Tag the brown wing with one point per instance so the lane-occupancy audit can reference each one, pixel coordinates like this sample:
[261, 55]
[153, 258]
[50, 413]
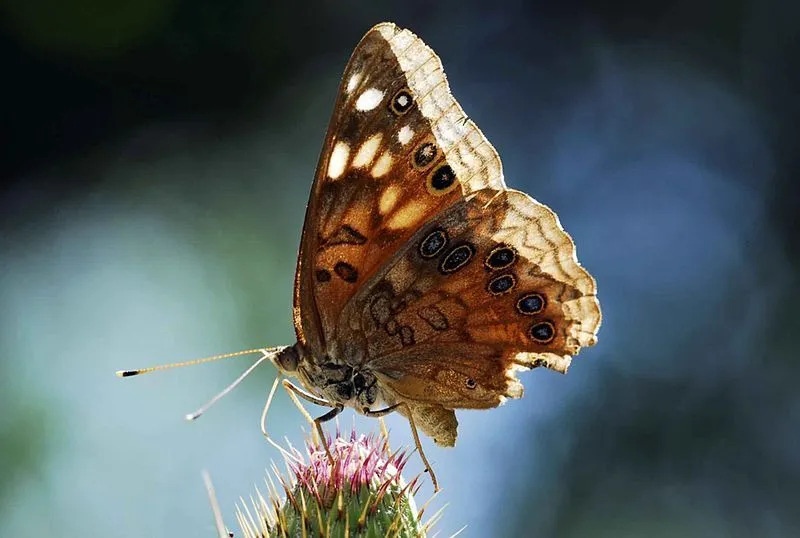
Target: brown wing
[399, 150]
[490, 286]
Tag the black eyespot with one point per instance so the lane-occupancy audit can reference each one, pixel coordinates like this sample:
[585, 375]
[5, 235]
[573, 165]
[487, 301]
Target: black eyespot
[442, 178]
[425, 154]
[543, 332]
[402, 102]
[471, 383]
[457, 258]
[323, 275]
[346, 272]
[433, 244]
[500, 257]
[501, 284]
[530, 304]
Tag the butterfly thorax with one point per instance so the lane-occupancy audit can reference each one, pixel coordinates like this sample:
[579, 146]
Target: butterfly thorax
[332, 380]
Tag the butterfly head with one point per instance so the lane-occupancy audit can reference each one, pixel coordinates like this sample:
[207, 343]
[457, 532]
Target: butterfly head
[287, 359]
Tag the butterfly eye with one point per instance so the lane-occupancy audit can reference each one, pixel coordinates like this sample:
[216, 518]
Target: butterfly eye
[471, 384]
[530, 304]
[543, 332]
[402, 102]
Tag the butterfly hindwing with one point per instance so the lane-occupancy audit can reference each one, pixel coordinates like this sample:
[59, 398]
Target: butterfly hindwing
[490, 286]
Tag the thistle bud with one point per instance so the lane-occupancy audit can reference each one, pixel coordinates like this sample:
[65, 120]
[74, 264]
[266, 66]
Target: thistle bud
[357, 491]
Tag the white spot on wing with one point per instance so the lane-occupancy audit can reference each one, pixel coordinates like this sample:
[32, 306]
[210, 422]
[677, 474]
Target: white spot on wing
[367, 151]
[338, 160]
[383, 165]
[353, 82]
[369, 99]
[388, 199]
[407, 215]
[405, 135]
[402, 101]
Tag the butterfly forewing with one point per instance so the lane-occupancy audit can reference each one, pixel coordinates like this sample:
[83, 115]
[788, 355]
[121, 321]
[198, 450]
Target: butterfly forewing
[398, 151]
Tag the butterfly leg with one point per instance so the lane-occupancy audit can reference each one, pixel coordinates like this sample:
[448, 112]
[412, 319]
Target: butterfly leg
[264, 420]
[385, 411]
[336, 409]
[325, 418]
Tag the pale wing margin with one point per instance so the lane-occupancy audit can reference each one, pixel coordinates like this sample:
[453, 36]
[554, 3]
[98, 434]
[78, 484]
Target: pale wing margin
[536, 232]
[469, 153]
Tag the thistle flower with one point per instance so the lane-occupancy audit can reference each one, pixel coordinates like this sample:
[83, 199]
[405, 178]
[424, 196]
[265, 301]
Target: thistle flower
[360, 493]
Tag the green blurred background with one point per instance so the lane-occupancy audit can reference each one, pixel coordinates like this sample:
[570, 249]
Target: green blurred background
[156, 160]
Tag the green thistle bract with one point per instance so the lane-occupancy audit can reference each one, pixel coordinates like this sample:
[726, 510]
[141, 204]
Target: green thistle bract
[360, 494]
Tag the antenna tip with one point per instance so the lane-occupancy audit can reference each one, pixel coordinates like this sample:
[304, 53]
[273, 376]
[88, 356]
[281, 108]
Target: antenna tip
[126, 373]
[192, 416]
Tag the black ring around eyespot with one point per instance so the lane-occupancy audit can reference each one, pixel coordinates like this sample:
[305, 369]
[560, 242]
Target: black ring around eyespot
[501, 284]
[441, 179]
[531, 303]
[402, 102]
[542, 332]
[500, 257]
[433, 244]
[457, 258]
[424, 155]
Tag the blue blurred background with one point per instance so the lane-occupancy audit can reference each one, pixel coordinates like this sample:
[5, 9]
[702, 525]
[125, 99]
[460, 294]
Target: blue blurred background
[156, 160]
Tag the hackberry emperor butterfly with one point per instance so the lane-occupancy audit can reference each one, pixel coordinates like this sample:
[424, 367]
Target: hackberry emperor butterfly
[423, 284]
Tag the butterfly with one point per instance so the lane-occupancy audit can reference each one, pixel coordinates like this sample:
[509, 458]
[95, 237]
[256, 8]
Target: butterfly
[423, 283]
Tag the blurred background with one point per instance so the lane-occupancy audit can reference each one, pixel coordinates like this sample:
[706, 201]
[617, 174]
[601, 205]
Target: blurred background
[156, 160]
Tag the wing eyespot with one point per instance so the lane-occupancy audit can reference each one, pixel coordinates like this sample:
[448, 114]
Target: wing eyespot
[424, 154]
[543, 332]
[433, 244]
[457, 258]
[531, 304]
[441, 180]
[500, 257]
[402, 102]
[502, 284]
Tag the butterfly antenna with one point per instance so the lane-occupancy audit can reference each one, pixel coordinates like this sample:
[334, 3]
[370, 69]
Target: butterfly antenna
[129, 373]
[268, 354]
